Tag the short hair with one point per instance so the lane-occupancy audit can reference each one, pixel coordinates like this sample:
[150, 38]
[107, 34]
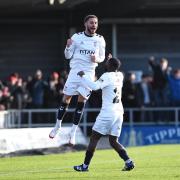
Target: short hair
[90, 16]
[114, 63]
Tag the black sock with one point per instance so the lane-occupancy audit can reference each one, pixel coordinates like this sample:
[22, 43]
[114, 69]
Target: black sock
[88, 157]
[62, 111]
[78, 113]
[123, 154]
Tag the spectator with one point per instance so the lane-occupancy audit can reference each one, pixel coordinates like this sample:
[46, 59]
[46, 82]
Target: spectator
[37, 88]
[6, 97]
[174, 85]
[16, 91]
[129, 98]
[2, 106]
[160, 88]
[64, 74]
[55, 91]
[145, 97]
[1, 85]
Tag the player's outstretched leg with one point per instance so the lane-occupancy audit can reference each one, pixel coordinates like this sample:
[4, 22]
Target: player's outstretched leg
[129, 164]
[76, 119]
[61, 112]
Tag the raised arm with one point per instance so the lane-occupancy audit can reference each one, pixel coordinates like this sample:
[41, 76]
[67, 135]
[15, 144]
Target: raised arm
[70, 47]
[152, 62]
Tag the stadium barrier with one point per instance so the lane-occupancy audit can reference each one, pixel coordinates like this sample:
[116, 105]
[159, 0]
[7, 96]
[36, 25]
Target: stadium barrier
[142, 126]
[26, 139]
[133, 116]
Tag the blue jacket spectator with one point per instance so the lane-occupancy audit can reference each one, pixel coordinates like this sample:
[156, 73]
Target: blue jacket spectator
[174, 85]
[37, 89]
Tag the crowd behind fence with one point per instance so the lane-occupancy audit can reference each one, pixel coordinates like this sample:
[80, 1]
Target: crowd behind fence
[155, 97]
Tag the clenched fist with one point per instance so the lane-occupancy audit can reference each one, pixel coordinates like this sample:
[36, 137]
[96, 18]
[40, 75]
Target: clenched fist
[69, 43]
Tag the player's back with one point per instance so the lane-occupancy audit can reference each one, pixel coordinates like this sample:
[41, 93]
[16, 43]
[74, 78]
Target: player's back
[111, 91]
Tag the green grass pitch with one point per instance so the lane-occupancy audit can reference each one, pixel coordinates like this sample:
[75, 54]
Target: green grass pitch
[161, 162]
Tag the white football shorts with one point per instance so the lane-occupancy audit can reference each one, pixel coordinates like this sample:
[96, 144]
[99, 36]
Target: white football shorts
[73, 86]
[108, 123]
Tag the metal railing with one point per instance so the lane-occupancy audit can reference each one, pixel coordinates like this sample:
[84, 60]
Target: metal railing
[25, 118]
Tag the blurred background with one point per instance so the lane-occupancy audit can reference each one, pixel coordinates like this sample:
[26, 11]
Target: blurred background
[33, 32]
[143, 34]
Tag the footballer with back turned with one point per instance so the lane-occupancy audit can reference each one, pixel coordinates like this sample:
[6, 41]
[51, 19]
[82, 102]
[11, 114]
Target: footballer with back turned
[110, 119]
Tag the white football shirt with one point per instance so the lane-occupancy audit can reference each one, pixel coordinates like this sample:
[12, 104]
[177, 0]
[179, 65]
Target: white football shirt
[111, 84]
[82, 48]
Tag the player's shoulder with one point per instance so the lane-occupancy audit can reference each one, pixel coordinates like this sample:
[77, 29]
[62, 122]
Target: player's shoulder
[99, 36]
[120, 75]
[77, 35]
[104, 76]
[80, 33]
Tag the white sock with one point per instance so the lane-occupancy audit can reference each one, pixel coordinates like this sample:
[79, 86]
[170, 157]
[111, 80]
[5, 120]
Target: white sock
[85, 166]
[128, 161]
[58, 123]
[73, 129]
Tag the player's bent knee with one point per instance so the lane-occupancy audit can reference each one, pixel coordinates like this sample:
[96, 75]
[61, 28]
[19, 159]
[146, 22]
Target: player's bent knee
[81, 99]
[66, 99]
